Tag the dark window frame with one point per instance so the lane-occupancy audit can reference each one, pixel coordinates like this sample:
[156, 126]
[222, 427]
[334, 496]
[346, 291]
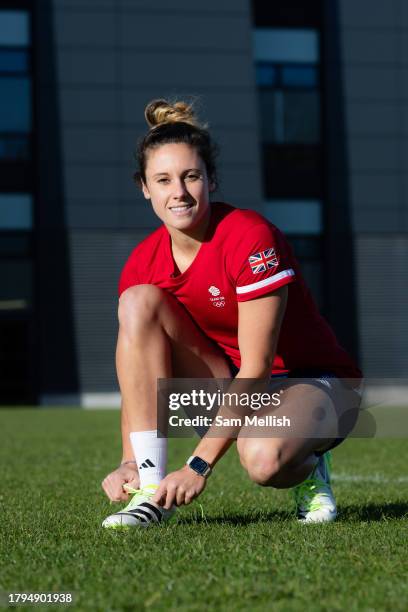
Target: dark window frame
[289, 14]
[279, 67]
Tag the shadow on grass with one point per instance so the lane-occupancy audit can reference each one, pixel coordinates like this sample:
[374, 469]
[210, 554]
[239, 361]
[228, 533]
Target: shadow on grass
[349, 514]
[236, 519]
[373, 512]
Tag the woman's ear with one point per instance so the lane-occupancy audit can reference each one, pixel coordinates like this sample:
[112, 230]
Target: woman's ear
[145, 190]
[212, 186]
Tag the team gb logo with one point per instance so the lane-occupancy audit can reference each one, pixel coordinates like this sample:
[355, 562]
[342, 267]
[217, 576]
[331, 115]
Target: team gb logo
[218, 301]
[214, 290]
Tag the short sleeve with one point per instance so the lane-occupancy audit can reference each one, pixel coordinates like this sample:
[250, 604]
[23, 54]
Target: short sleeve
[261, 262]
[129, 275]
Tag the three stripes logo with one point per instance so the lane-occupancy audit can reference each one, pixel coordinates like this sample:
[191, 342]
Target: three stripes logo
[147, 463]
[144, 513]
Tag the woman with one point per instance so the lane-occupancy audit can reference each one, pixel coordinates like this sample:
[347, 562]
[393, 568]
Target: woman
[216, 292]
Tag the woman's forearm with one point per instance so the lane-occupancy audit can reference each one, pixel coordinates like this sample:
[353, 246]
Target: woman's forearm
[212, 449]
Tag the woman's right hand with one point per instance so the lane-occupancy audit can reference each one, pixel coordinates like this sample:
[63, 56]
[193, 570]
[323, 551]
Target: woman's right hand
[113, 483]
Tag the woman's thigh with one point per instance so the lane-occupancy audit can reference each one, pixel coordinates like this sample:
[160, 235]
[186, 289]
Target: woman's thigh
[154, 312]
[313, 419]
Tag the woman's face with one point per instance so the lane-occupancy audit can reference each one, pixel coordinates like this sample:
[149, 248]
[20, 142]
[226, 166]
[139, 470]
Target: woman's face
[177, 185]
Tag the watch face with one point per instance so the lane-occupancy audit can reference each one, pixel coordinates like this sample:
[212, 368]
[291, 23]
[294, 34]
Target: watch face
[199, 465]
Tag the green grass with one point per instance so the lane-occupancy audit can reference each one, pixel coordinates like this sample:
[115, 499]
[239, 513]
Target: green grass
[236, 548]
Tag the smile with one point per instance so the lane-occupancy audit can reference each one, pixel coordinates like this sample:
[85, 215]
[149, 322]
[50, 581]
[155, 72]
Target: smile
[181, 209]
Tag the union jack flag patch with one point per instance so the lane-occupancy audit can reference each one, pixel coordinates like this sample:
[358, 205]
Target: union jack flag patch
[260, 262]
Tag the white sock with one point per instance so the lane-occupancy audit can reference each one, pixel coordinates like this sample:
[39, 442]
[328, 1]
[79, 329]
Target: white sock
[151, 456]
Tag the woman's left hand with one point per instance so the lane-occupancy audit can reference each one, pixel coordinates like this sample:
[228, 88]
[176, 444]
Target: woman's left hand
[179, 488]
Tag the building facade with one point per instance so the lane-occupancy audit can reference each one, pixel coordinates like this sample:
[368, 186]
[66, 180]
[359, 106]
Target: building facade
[307, 104]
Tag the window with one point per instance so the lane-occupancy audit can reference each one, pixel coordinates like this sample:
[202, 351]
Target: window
[287, 68]
[286, 45]
[289, 116]
[13, 61]
[15, 105]
[15, 87]
[18, 288]
[288, 83]
[14, 28]
[296, 217]
[15, 211]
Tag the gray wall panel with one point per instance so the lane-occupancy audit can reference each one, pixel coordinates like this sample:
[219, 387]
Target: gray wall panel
[364, 46]
[185, 6]
[239, 145]
[87, 105]
[375, 220]
[373, 117]
[94, 182]
[375, 80]
[214, 70]
[380, 154]
[403, 91]
[96, 5]
[128, 190]
[372, 82]
[91, 145]
[97, 259]
[403, 10]
[194, 31]
[86, 67]
[236, 181]
[383, 299]
[93, 216]
[370, 13]
[404, 202]
[93, 28]
[138, 214]
[375, 190]
[403, 46]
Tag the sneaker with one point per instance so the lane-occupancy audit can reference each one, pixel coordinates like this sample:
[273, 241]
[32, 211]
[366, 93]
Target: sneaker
[140, 511]
[314, 498]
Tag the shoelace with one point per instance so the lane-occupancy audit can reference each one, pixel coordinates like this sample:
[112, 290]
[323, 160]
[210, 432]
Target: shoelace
[139, 495]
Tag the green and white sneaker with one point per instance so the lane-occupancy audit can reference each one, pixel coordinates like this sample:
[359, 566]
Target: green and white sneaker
[140, 511]
[314, 498]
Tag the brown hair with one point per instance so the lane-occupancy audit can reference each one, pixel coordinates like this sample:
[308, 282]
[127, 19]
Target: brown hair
[175, 122]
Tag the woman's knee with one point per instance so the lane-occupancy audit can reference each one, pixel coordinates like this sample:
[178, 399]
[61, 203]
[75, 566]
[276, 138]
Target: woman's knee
[139, 306]
[263, 462]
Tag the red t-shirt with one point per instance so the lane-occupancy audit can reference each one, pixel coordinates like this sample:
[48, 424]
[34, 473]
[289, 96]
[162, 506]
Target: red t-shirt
[243, 256]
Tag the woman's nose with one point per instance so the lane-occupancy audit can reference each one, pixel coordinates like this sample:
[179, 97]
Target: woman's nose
[179, 189]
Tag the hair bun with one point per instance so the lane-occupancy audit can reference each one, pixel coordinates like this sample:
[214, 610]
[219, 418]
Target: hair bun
[159, 112]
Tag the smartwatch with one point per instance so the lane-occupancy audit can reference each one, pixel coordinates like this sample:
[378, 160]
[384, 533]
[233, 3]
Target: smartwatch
[199, 465]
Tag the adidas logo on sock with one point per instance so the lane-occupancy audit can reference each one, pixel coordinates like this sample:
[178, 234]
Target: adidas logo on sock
[147, 464]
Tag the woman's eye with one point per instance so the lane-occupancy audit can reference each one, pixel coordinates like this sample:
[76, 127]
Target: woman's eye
[163, 180]
[192, 176]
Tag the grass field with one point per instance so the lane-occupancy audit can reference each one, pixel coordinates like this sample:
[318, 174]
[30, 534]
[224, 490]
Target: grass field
[236, 548]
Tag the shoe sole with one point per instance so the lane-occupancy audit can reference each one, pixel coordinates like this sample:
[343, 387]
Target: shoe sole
[126, 527]
[328, 519]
